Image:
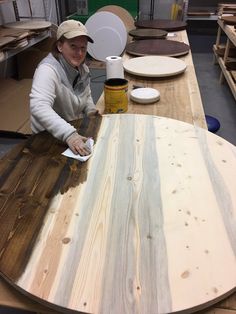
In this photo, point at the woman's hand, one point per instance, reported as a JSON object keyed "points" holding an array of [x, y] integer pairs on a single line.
{"points": [[77, 144], [93, 113]]}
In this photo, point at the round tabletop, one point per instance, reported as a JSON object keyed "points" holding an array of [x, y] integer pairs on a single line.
{"points": [[146, 225], [31, 24], [158, 47], [154, 66], [231, 20], [147, 33], [168, 25]]}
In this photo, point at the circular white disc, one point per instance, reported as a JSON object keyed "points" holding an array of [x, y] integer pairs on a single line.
{"points": [[154, 66], [100, 49], [109, 34], [145, 95]]}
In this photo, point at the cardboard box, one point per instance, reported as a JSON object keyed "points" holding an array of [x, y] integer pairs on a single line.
{"points": [[14, 105], [28, 59]]}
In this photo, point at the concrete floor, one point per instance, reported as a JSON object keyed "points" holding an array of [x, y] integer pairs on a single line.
{"points": [[217, 98]]}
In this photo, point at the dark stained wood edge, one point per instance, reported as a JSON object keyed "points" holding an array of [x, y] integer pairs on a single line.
{"points": [[31, 175]]}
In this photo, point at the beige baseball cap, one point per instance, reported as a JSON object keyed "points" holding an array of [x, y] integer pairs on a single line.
{"points": [[72, 28]]}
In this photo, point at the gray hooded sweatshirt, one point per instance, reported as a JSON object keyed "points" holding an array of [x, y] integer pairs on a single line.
{"points": [[60, 93]]}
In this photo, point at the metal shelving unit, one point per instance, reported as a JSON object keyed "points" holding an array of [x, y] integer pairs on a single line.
{"points": [[31, 42], [231, 42], [203, 5]]}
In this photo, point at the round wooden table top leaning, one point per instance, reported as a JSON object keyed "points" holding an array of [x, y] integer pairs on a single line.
{"points": [[146, 225]]}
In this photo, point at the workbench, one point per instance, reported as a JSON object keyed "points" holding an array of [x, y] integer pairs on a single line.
{"points": [[180, 100], [180, 95]]}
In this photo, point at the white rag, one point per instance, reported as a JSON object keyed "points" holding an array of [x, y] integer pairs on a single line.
{"points": [[89, 143]]}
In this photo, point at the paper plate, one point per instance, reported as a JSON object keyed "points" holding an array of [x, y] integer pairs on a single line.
{"points": [[109, 34], [154, 66], [35, 24], [145, 95]]}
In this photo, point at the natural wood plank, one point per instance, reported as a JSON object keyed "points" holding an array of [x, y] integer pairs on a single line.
{"points": [[108, 230]]}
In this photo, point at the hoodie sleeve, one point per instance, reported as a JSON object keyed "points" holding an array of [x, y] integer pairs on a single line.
{"points": [[42, 97]]}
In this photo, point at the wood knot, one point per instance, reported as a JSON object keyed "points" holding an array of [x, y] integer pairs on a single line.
{"points": [[66, 240], [185, 274]]}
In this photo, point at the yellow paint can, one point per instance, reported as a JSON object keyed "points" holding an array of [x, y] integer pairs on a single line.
{"points": [[116, 95]]}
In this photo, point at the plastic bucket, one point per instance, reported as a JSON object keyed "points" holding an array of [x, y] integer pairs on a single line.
{"points": [[116, 95]]}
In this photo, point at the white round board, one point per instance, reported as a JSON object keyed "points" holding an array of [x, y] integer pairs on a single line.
{"points": [[145, 95], [155, 66], [35, 24], [109, 34]]}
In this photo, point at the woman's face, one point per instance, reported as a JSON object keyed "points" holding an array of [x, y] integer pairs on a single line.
{"points": [[74, 50]]}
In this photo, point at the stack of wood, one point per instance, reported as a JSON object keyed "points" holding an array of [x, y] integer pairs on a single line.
{"points": [[12, 38], [17, 35], [226, 8]]}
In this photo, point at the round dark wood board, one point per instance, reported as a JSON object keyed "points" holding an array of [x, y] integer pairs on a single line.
{"points": [[167, 25], [231, 20], [221, 52], [147, 33], [158, 47]]}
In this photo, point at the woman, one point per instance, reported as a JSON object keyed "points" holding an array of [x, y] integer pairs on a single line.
{"points": [[61, 87]]}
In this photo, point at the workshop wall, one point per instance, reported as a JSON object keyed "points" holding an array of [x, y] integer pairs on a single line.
{"points": [[35, 8]]}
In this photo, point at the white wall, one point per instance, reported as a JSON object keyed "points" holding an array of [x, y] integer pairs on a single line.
{"points": [[162, 9], [41, 9]]}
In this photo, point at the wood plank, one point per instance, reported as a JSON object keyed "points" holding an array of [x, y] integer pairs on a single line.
{"points": [[90, 252]]}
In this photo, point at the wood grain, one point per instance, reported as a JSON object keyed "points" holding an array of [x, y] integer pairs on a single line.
{"points": [[139, 228], [158, 47], [31, 175]]}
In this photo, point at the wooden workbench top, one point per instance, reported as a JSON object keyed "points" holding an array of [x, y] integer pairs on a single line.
{"points": [[180, 95], [145, 226]]}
